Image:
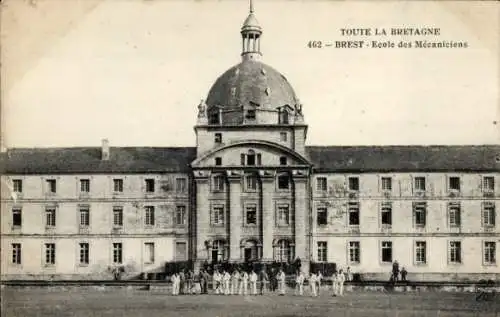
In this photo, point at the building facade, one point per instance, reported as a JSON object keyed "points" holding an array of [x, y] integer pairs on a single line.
{"points": [[251, 190]]}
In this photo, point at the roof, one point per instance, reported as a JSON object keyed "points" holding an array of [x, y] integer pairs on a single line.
{"points": [[88, 160], [250, 83], [435, 158], [324, 159]]}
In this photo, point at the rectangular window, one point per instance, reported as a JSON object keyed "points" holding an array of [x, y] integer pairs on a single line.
{"points": [[387, 251], [218, 215], [117, 216], [84, 216], [150, 185], [322, 251], [454, 218], [386, 214], [50, 253], [420, 252], [455, 252], [283, 136], [149, 253], [251, 215], [488, 214], [17, 185], [419, 182], [251, 159], [17, 219], [488, 184], [214, 117], [50, 217], [117, 253], [419, 214], [489, 253], [283, 182], [16, 253], [354, 183], [181, 185], [386, 184], [51, 186], [259, 159], [180, 215], [321, 184], [283, 160], [354, 252], [149, 216], [218, 138], [118, 185], [322, 216], [84, 253], [283, 215], [353, 214], [218, 183], [85, 185], [218, 161], [251, 183], [454, 183]]}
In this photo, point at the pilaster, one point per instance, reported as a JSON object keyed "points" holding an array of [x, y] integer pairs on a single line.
{"points": [[268, 188], [202, 214], [235, 214], [302, 220]]}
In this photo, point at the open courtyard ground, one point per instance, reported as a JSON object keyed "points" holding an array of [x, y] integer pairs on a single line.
{"points": [[133, 302]]}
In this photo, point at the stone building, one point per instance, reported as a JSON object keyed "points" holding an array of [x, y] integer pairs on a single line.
{"points": [[251, 190]]}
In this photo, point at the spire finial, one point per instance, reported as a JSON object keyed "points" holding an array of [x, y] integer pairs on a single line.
{"points": [[251, 6]]}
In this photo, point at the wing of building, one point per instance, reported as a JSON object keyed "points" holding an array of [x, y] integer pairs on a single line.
{"points": [[250, 190]]}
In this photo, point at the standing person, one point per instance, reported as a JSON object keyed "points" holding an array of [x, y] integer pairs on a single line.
{"points": [[175, 284], [263, 278], [335, 283], [282, 282], [189, 282], [206, 279], [217, 281], [395, 271], [403, 274], [253, 281], [226, 278], [313, 281], [340, 282], [243, 283], [234, 282], [320, 279], [348, 274], [272, 280], [201, 278], [182, 282], [300, 283]]}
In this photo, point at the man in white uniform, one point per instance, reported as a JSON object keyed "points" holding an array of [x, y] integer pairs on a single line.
{"points": [[282, 282], [300, 284], [217, 280], [335, 283], [234, 282], [341, 280], [243, 283], [175, 284], [313, 280], [253, 281], [226, 279]]}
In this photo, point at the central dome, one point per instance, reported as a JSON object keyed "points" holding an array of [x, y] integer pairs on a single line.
{"points": [[249, 85]]}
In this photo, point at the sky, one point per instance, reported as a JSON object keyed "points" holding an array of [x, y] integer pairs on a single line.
{"points": [[133, 71]]}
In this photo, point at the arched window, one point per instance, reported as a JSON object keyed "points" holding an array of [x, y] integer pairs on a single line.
{"points": [[250, 251], [251, 157], [283, 251], [218, 251]]}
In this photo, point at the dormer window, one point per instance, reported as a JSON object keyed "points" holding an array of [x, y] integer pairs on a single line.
{"points": [[250, 114], [283, 160], [213, 117], [283, 115]]}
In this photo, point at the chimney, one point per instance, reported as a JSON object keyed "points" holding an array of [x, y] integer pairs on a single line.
{"points": [[105, 150]]}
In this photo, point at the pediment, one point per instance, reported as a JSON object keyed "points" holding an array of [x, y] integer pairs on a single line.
{"points": [[264, 153]]}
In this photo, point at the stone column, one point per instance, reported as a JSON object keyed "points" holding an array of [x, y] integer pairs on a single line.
{"points": [[202, 216], [301, 198], [235, 217], [267, 216]]}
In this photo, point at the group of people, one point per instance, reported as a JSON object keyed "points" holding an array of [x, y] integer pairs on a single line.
{"points": [[240, 282], [396, 272]]}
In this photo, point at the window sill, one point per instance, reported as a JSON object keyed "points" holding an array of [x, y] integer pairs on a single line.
{"points": [[282, 225], [49, 266], [16, 228], [420, 264], [149, 227], [149, 263], [322, 225], [83, 265], [250, 225], [454, 264], [492, 264]]}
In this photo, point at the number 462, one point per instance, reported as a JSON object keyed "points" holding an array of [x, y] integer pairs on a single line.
{"points": [[315, 44]]}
